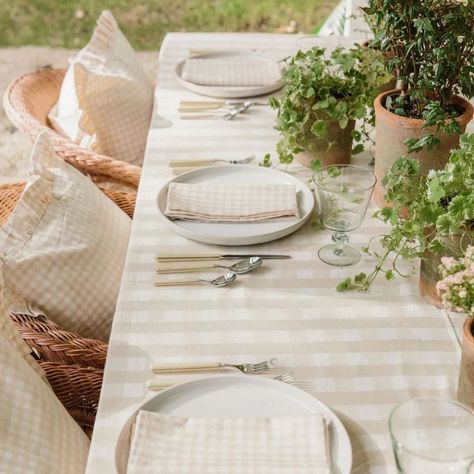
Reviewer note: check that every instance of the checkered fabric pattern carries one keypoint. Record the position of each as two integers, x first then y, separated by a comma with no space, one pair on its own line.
177,445
63,247
106,99
37,435
231,203
231,71
359,353
9,302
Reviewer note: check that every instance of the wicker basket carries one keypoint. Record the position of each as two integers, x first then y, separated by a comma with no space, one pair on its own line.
74,366
10,193
27,102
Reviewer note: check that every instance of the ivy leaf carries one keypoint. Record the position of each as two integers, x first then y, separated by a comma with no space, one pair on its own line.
389,275
343,122
358,149
319,128
435,190
315,165
344,285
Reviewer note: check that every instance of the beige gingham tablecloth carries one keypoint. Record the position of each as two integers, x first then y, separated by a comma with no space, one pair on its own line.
358,353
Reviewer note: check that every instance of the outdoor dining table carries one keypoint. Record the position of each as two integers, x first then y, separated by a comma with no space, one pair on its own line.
359,353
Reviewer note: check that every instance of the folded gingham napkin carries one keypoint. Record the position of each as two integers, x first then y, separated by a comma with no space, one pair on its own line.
231,71
231,203
176,445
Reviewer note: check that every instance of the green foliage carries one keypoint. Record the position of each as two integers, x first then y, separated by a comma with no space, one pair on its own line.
426,210
429,46
320,87
69,23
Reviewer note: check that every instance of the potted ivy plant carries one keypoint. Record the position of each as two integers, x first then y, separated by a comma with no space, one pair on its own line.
323,97
429,47
456,289
432,216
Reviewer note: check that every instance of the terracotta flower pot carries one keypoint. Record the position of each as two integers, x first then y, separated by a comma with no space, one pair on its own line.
466,371
334,149
393,130
429,267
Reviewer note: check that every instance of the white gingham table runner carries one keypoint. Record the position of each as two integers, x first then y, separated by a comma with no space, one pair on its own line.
231,203
244,71
178,445
358,353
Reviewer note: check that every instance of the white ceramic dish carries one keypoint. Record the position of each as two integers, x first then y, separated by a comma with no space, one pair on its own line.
240,396
227,92
243,233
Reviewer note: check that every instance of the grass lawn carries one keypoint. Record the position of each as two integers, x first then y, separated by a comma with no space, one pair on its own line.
69,23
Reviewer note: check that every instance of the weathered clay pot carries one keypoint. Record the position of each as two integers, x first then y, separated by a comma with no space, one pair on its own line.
429,267
466,371
334,149
393,130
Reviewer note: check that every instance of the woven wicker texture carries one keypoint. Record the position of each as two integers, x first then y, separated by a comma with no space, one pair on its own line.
27,102
10,193
78,389
73,365
52,344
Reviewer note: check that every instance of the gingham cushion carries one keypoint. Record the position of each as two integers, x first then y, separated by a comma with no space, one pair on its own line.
64,245
106,99
37,435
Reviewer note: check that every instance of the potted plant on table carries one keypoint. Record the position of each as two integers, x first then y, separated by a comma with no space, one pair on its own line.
429,47
323,97
432,217
457,293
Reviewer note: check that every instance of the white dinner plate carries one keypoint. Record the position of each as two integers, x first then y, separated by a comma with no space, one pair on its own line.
240,233
228,92
240,396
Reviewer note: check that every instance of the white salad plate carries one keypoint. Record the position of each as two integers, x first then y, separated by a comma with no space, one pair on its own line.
231,92
240,233
240,396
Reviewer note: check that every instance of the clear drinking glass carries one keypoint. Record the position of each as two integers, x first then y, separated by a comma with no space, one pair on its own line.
344,193
432,436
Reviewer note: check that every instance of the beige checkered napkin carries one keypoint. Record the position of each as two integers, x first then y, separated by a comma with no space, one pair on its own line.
63,247
233,71
175,445
231,203
106,99
37,435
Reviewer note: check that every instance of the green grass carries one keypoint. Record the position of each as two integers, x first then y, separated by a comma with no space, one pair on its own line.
55,23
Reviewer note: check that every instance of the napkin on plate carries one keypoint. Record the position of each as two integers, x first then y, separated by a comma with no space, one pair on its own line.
231,203
177,445
232,71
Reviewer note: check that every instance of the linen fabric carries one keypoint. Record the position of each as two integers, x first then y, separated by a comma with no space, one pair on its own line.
106,99
64,245
11,303
37,435
178,445
244,71
231,203
359,354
